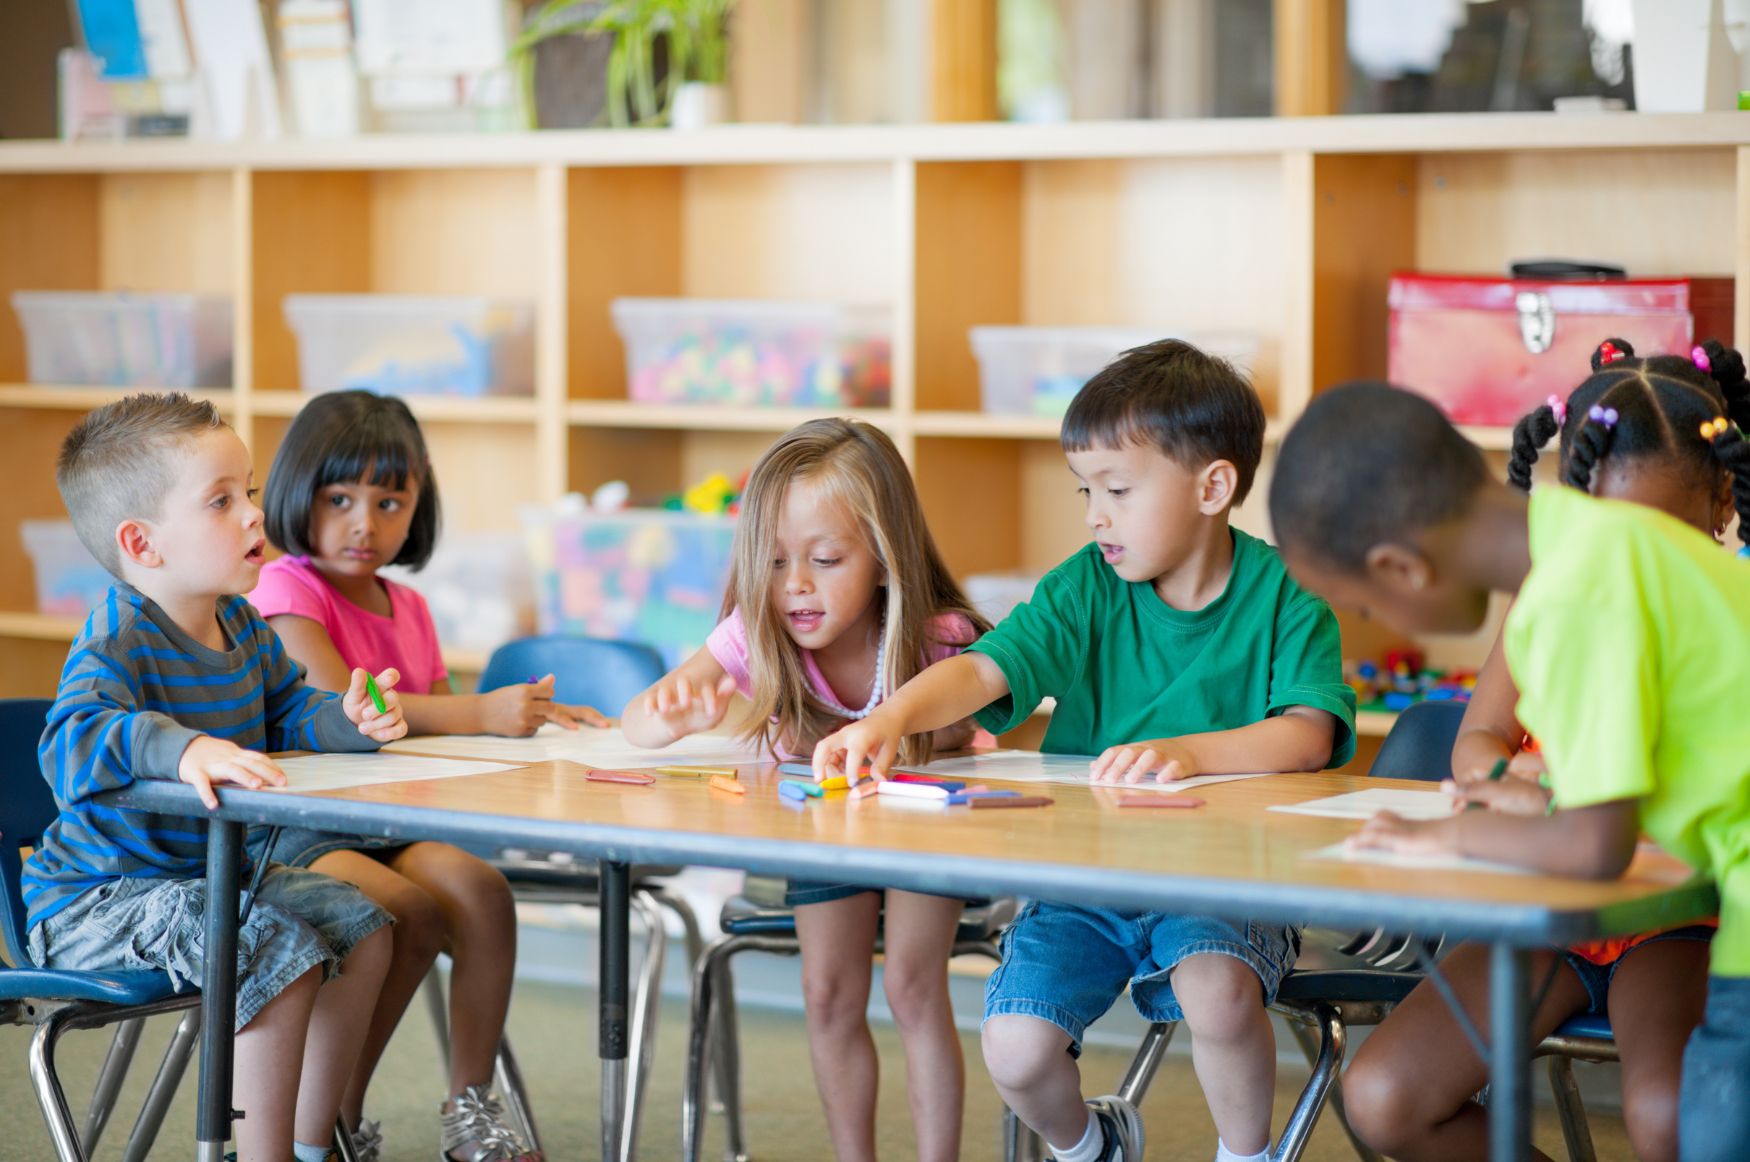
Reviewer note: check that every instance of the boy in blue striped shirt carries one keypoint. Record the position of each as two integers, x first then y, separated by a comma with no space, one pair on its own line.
174,676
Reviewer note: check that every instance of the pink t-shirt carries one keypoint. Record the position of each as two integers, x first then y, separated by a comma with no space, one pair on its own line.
949,633
406,639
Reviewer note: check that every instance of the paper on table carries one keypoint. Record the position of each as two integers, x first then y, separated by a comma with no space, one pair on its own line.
1373,855
587,745
1367,804
1025,766
338,772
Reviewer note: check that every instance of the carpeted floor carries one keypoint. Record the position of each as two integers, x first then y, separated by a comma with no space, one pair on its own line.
553,1028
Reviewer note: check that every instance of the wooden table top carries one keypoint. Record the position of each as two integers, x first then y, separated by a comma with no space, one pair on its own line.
1230,856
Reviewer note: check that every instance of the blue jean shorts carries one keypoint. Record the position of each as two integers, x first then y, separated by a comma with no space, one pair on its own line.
301,919
1713,1119
1597,977
303,846
1068,965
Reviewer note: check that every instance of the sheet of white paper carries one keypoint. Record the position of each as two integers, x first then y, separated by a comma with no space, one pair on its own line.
235,69
1024,766
1367,804
1370,855
337,772
587,745
427,37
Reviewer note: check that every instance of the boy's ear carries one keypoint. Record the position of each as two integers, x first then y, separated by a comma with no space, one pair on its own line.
1399,568
134,539
1217,485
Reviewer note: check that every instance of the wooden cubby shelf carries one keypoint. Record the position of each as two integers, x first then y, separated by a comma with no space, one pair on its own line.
1287,230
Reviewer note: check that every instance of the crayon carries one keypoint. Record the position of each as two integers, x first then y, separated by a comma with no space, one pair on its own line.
791,789
731,785
1159,801
1017,801
960,798
912,790
865,789
376,694
633,777
948,785
806,788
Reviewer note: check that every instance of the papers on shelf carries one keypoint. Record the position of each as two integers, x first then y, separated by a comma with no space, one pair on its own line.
587,745
1367,804
339,772
1025,766
1372,855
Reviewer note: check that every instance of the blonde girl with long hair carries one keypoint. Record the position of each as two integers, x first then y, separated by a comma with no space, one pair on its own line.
837,595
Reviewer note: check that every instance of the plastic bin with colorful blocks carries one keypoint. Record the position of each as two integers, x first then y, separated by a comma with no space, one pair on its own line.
1401,679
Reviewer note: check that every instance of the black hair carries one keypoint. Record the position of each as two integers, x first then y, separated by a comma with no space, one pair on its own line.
1661,404
337,438
1193,406
1367,464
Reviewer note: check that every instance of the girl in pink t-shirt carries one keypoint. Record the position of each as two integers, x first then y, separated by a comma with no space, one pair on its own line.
351,490
838,595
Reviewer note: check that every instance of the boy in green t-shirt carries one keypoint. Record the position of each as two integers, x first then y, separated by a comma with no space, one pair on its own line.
1175,646
1629,641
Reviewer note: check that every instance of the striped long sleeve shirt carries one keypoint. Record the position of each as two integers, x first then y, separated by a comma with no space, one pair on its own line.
135,691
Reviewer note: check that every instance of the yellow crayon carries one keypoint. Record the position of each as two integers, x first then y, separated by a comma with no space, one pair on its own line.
835,783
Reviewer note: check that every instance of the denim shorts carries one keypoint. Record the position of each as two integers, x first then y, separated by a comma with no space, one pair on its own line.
1713,1119
1068,965
1597,977
301,919
302,846
800,892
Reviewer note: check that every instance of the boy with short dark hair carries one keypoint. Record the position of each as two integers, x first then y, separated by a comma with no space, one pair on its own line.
1629,642
174,676
1175,646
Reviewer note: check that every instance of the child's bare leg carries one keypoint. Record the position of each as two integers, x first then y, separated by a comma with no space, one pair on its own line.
1029,1060
338,1026
1656,1001
919,939
1233,1047
264,1079
838,952
479,923
1414,1104
416,940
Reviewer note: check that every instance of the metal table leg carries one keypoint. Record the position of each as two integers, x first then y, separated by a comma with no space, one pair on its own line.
616,897
1510,1054
218,989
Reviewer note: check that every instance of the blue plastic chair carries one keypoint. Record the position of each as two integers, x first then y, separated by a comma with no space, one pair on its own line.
587,671
55,1000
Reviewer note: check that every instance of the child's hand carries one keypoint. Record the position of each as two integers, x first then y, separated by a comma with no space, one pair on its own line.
210,760
519,711
1390,832
685,709
384,725
1511,796
1170,759
870,743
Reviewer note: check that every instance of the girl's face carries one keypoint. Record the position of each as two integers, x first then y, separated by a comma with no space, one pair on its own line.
356,528
824,575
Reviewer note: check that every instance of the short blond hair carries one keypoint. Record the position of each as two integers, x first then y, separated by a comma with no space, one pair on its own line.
117,464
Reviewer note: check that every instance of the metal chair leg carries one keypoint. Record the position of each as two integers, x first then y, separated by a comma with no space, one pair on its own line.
682,911
1146,1062
698,1047
1020,1142
1576,1132
110,1078
431,989
646,1001
50,1097
728,1059
1332,1041
508,1076
163,1091
343,1141
1310,1044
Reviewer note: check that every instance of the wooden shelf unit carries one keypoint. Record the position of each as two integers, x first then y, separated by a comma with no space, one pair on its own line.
1288,229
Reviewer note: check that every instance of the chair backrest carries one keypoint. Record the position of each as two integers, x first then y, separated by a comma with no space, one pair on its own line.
1420,743
587,671
27,807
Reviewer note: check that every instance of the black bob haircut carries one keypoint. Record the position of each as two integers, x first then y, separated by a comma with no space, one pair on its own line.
1193,406
1367,464
337,438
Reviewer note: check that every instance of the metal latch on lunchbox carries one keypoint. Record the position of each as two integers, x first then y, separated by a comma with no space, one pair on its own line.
1537,321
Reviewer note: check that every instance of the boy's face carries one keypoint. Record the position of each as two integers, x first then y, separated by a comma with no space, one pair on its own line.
206,539
1398,586
1145,509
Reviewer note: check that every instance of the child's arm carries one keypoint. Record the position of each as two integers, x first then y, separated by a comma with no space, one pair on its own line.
1298,739
942,696
1491,730
693,697
1595,842
509,710
302,716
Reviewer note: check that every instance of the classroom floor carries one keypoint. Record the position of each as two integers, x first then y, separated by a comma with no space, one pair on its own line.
553,1028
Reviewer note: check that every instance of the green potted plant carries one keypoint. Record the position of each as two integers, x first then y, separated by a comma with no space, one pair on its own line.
667,61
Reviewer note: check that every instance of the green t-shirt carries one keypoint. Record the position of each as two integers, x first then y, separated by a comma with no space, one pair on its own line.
1126,666
1630,645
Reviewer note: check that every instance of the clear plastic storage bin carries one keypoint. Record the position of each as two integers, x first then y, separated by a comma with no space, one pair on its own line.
478,588
69,581
646,575
749,352
414,344
114,339
1036,371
